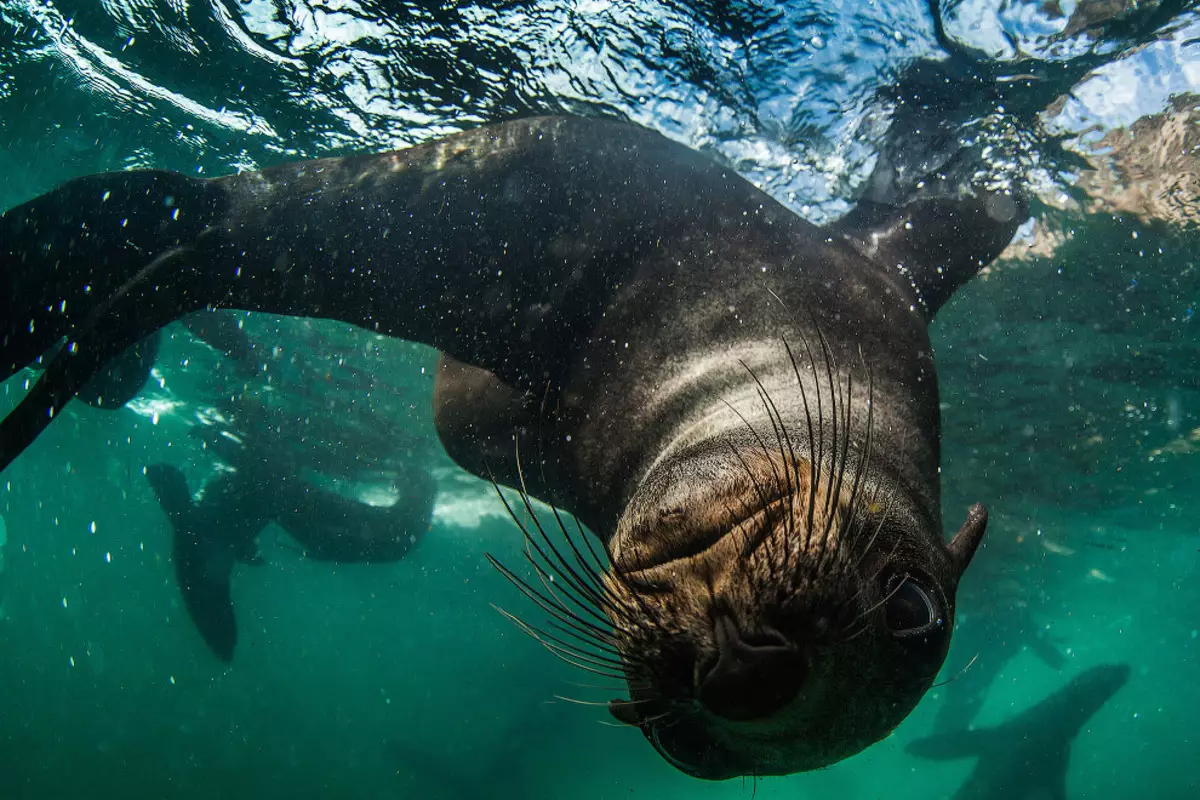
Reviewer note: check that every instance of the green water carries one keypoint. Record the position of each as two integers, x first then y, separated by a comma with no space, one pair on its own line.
1071,401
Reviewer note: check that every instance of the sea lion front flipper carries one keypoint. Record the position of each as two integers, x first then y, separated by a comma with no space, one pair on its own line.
483,422
120,380
202,564
934,245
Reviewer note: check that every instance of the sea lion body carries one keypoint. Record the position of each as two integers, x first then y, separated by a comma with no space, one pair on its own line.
742,406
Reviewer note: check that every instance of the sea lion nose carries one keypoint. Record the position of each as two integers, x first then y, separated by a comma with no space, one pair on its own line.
752,678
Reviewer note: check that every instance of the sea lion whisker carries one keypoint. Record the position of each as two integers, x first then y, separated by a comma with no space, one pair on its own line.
736,522
564,625
549,563
597,687
546,574
563,614
586,567
830,501
885,510
599,593
618,603
600,568
592,703
567,655
571,577
636,596
749,545
776,419
603,658
862,617
815,439
761,443
864,463
781,438
839,469
554,594
958,674
867,612
577,651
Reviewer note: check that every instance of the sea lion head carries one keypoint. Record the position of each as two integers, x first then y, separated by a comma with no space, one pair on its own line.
775,606
783,638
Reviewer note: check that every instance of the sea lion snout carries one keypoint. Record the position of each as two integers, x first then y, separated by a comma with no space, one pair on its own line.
751,677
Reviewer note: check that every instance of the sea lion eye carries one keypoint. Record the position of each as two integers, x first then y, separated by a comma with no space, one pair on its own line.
910,609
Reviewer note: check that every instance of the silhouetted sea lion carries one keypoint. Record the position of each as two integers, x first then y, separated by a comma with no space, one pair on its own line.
1027,756
742,405
222,528
268,477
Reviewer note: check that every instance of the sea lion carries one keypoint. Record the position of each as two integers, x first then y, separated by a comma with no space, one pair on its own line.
1028,755
741,405
277,466
220,530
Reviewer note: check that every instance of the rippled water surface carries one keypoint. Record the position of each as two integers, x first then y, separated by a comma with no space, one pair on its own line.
1070,377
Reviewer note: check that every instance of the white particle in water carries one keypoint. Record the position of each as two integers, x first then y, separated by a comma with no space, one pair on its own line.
64,602
108,558
172,680
93,526
72,660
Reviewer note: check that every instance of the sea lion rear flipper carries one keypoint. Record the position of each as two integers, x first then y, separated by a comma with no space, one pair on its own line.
120,380
202,564
948,746
934,245
90,267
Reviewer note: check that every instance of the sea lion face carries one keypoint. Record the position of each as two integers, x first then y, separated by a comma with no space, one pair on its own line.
769,623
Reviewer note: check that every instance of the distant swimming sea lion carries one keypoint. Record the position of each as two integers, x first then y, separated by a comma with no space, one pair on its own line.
267,477
743,406
1027,756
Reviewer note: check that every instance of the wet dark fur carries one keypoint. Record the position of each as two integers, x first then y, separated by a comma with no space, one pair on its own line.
741,405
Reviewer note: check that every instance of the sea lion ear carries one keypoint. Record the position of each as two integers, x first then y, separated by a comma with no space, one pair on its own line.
964,544
934,245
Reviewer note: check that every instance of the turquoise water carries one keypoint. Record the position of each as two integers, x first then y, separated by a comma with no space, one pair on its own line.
1070,381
